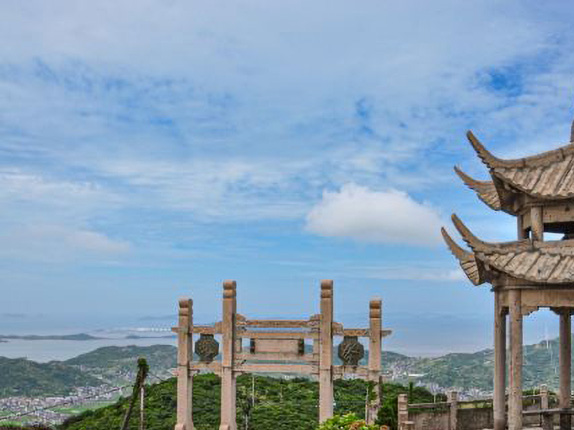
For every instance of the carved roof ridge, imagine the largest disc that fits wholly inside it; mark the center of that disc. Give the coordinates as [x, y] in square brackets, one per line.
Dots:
[486, 156]
[553, 244]
[541, 159]
[479, 245]
[485, 190]
[469, 181]
[467, 260]
[455, 249]
[470, 239]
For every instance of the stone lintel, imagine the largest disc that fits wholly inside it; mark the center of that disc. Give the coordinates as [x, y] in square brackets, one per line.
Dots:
[359, 371]
[289, 335]
[535, 298]
[277, 323]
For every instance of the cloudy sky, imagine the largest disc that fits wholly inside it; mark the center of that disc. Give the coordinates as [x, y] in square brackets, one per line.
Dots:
[151, 149]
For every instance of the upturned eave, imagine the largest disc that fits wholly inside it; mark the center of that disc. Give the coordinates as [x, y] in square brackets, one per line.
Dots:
[528, 262]
[546, 176]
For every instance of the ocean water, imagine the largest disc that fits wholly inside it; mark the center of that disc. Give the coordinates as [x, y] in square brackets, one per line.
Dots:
[48, 350]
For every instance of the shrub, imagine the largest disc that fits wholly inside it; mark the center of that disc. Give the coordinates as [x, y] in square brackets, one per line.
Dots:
[346, 422]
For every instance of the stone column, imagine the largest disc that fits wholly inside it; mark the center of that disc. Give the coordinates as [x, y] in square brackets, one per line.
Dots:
[537, 223]
[402, 410]
[184, 420]
[375, 326]
[544, 399]
[326, 355]
[228, 391]
[515, 394]
[565, 366]
[453, 410]
[499, 400]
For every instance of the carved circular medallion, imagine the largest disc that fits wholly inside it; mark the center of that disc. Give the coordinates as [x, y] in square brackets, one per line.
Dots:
[351, 351]
[207, 348]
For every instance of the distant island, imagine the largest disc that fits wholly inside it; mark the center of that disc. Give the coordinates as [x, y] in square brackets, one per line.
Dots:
[79, 336]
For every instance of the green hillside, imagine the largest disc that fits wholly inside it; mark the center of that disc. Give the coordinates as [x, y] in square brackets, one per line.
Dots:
[475, 370]
[456, 370]
[21, 377]
[277, 404]
[159, 357]
[116, 364]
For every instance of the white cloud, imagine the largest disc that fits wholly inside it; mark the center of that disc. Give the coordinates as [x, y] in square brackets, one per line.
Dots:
[92, 241]
[374, 216]
[19, 185]
[414, 273]
[57, 243]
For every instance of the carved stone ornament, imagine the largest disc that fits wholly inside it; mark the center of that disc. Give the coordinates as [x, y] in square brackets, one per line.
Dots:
[351, 351]
[207, 348]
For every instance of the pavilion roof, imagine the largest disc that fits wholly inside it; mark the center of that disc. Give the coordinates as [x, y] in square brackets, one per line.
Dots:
[526, 260]
[486, 190]
[549, 175]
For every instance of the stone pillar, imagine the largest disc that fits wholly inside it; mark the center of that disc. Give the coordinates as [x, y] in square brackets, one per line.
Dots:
[403, 411]
[228, 388]
[565, 366]
[375, 326]
[537, 223]
[515, 394]
[453, 410]
[326, 355]
[544, 399]
[184, 416]
[499, 400]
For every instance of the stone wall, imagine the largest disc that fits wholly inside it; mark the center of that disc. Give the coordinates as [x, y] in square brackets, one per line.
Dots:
[475, 419]
[430, 420]
[474, 415]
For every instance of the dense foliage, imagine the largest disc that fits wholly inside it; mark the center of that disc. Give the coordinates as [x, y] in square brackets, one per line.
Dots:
[157, 356]
[21, 377]
[263, 403]
[14, 427]
[347, 422]
[17, 427]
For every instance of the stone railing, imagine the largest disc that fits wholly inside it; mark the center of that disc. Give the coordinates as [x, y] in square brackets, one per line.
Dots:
[455, 414]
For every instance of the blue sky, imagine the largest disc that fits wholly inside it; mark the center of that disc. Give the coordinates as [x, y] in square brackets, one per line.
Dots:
[151, 149]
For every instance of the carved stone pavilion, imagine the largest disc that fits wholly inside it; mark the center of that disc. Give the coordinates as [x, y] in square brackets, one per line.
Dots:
[529, 273]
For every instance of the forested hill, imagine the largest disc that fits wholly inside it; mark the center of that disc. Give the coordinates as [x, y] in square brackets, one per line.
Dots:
[21, 377]
[268, 404]
[117, 365]
[474, 370]
[159, 357]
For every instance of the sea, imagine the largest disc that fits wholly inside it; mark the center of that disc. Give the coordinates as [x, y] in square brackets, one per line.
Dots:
[49, 350]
